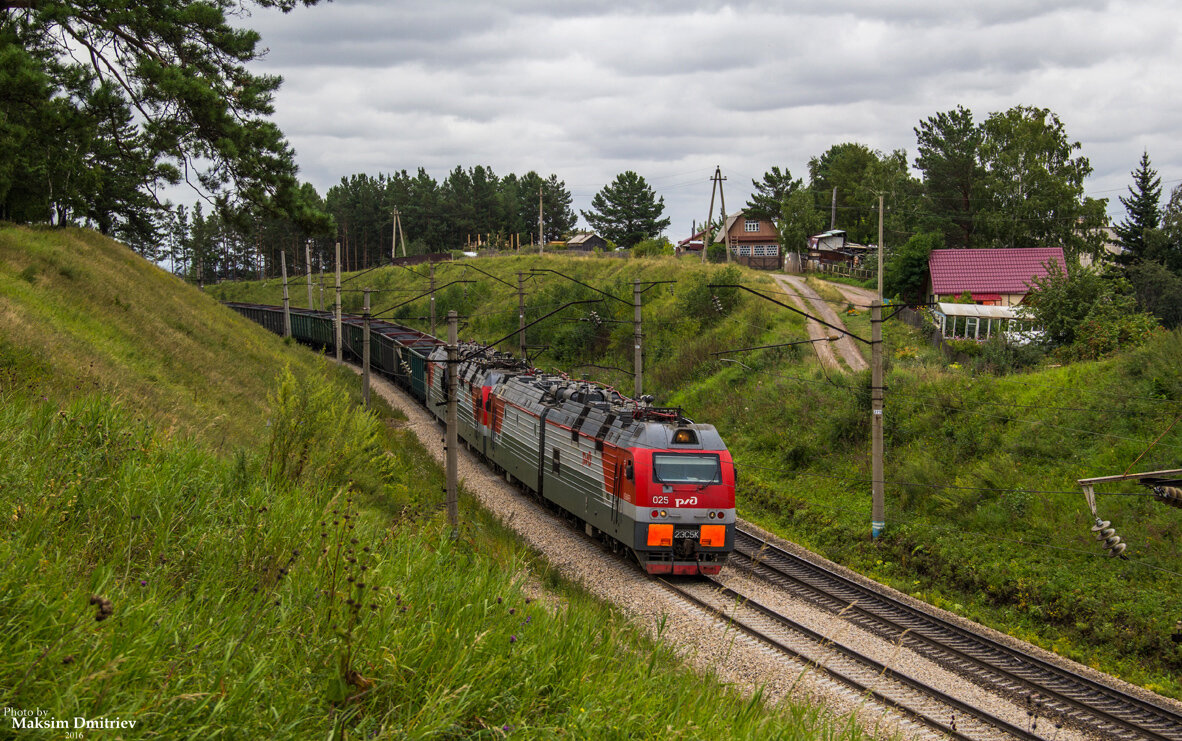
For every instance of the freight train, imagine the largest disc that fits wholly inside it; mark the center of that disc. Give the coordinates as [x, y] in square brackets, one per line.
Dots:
[646, 480]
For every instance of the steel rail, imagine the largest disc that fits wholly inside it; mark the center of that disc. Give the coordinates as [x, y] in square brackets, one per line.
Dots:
[1082, 701]
[870, 666]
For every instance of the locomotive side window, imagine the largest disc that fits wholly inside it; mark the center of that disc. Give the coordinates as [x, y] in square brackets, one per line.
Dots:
[555, 465]
[683, 468]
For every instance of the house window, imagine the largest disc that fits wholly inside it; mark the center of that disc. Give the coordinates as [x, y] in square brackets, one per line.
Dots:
[751, 225]
[744, 250]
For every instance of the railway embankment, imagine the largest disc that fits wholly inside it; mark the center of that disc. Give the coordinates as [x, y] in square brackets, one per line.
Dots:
[203, 534]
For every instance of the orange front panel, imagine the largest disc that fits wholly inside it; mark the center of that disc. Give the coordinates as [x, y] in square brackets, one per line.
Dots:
[713, 536]
[660, 535]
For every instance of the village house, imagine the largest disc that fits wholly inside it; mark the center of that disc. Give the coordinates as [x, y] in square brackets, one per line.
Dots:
[586, 242]
[754, 242]
[991, 277]
[995, 280]
[833, 248]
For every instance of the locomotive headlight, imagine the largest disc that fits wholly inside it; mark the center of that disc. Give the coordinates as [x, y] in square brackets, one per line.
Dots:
[712, 515]
[664, 513]
[685, 437]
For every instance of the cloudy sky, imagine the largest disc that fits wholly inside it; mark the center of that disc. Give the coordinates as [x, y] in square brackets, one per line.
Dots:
[671, 88]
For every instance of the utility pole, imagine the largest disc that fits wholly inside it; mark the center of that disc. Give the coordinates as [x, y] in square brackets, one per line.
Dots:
[722, 198]
[878, 503]
[286, 301]
[541, 224]
[432, 299]
[521, 313]
[833, 211]
[397, 235]
[450, 444]
[706, 236]
[365, 354]
[638, 354]
[338, 310]
[308, 264]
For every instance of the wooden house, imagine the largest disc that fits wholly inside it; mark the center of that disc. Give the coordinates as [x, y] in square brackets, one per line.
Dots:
[586, 242]
[754, 242]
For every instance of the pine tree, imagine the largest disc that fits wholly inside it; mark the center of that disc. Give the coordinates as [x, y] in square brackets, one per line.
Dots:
[1144, 211]
[770, 194]
[627, 211]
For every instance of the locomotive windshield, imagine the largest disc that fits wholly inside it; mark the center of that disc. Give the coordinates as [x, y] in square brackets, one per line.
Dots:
[686, 468]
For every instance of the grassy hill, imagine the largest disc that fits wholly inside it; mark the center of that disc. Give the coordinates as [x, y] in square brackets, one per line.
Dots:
[201, 532]
[984, 516]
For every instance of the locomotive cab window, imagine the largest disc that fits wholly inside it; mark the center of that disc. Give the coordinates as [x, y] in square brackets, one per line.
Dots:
[685, 468]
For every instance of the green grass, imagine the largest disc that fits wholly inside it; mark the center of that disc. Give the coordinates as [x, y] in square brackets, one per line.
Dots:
[256, 557]
[966, 454]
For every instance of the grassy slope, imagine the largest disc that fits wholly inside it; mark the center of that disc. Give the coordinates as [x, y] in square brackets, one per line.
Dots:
[1024, 562]
[147, 576]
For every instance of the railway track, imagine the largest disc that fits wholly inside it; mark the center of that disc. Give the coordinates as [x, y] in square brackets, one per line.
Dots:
[1050, 692]
[864, 676]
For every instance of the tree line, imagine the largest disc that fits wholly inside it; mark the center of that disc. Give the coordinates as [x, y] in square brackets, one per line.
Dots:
[105, 104]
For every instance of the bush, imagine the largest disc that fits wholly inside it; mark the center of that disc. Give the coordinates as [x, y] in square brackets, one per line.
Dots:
[698, 299]
[1000, 356]
[1088, 314]
[716, 253]
[653, 248]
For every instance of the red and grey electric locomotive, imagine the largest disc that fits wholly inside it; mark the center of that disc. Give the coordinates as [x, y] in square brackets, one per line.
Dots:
[646, 480]
[643, 478]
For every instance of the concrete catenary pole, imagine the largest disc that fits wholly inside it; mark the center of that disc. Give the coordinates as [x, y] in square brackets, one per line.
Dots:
[451, 443]
[337, 318]
[878, 497]
[541, 224]
[286, 298]
[881, 249]
[308, 265]
[637, 336]
[365, 354]
[521, 313]
[432, 299]
[878, 507]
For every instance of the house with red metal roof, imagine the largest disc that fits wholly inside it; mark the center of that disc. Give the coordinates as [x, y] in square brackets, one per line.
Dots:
[992, 277]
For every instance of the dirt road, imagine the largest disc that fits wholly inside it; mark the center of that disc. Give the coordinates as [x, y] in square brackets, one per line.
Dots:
[800, 293]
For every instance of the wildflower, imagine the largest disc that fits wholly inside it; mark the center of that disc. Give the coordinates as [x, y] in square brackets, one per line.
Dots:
[143, 583]
[512, 611]
[512, 639]
[498, 600]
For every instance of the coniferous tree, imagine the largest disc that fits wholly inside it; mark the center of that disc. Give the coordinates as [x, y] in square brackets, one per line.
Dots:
[627, 211]
[1144, 211]
[200, 113]
[770, 194]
